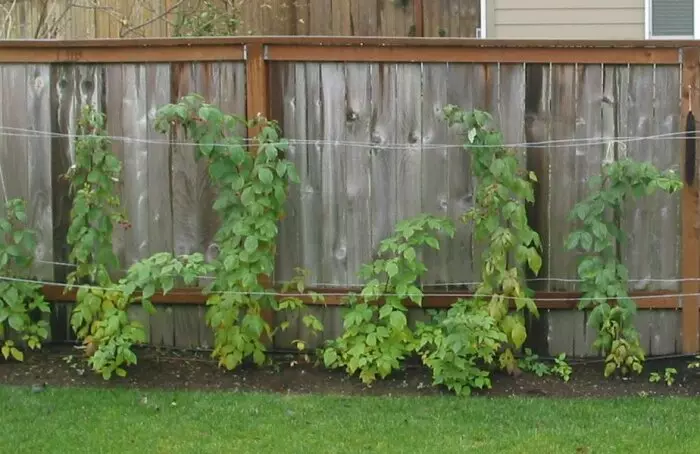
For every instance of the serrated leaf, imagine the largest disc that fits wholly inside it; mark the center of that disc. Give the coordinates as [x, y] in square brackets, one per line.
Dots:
[329, 357]
[265, 175]
[391, 269]
[251, 244]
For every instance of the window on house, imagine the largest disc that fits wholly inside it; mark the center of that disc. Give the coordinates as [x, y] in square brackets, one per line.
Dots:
[668, 19]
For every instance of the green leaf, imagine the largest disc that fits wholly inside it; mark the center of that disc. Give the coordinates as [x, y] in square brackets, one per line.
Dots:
[265, 175]
[535, 261]
[397, 319]
[251, 244]
[391, 269]
[329, 357]
[120, 372]
[409, 254]
[432, 242]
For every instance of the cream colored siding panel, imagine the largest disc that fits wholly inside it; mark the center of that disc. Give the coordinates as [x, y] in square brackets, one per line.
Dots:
[565, 19]
[568, 4]
[549, 17]
[624, 31]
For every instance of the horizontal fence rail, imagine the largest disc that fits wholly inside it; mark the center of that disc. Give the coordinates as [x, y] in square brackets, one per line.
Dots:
[363, 119]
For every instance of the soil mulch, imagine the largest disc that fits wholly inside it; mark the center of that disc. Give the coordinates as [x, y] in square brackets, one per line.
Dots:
[197, 371]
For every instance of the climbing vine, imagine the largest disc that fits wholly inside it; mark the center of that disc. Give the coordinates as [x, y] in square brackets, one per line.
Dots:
[252, 189]
[377, 338]
[21, 301]
[500, 222]
[604, 277]
[100, 317]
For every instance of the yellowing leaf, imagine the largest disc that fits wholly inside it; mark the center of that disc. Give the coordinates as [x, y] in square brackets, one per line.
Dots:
[518, 334]
[17, 354]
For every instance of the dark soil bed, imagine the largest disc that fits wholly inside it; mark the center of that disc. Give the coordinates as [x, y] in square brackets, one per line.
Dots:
[195, 370]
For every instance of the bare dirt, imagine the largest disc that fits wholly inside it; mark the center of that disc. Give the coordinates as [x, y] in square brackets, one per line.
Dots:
[291, 374]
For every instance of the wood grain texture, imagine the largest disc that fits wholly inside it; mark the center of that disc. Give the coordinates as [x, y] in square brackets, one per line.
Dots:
[288, 108]
[158, 157]
[40, 212]
[408, 136]
[310, 167]
[652, 223]
[383, 160]
[466, 88]
[333, 176]
[13, 155]
[434, 165]
[358, 164]
[134, 125]
[565, 165]
[114, 101]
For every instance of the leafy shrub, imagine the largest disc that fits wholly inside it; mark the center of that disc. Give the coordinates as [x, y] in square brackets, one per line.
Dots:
[20, 301]
[500, 222]
[377, 338]
[603, 276]
[100, 317]
[252, 190]
[458, 344]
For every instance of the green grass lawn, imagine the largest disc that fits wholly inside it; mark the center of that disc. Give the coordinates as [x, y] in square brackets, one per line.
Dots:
[118, 421]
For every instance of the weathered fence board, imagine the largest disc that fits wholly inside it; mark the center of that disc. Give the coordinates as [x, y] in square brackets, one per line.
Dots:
[367, 157]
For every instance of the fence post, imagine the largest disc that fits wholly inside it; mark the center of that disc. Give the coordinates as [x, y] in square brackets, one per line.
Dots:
[257, 103]
[690, 247]
[418, 18]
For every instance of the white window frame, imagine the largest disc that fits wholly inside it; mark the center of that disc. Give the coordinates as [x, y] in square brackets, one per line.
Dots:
[482, 19]
[647, 23]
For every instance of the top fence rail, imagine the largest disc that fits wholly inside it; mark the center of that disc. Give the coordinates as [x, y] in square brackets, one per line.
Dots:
[344, 49]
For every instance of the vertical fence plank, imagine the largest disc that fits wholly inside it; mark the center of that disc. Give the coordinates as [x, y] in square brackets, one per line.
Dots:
[434, 165]
[289, 108]
[160, 234]
[383, 168]
[39, 162]
[408, 136]
[308, 85]
[563, 164]
[690, 244]
[466, 88]
[357, 162]
[134, 123]
[333, 176]
[115, 127]
[13, 154]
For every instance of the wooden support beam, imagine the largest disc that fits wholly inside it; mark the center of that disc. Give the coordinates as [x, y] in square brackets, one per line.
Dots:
[433, 300]
[257, 104]
[690, 247]
[257, 88]
[419, 18]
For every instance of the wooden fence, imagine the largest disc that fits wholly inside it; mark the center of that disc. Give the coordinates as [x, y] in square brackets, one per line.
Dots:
[81, 19]
[372, 149]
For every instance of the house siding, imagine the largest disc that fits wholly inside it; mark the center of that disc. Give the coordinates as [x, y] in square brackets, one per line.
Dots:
[565, 19]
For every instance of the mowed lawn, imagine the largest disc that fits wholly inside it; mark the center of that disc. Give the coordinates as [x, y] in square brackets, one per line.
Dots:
[122, 421]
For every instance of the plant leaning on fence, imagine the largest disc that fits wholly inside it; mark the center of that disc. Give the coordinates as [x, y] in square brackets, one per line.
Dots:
[603, 276]
[100, 316]
[21, 301]
[377, 338]
[500, 221]
[251, 193]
